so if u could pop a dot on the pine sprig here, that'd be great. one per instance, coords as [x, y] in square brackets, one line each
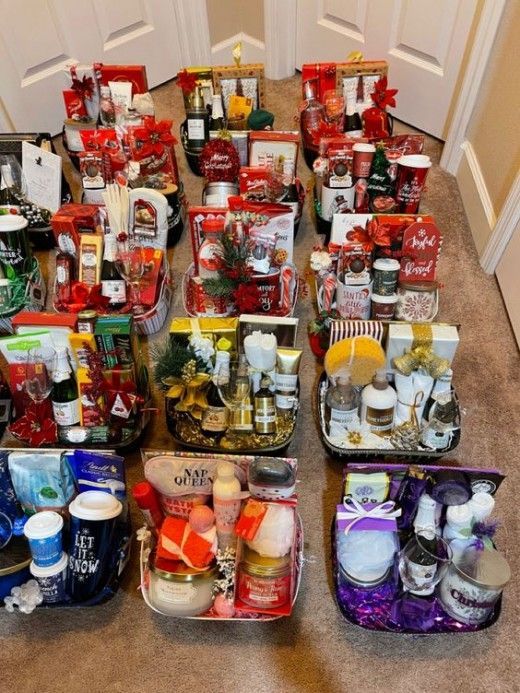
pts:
[169, 360]
[219, 287]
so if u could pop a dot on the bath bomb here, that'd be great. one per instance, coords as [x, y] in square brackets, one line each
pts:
[201, 519]
[224, 606]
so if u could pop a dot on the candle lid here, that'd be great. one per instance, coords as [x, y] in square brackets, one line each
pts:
[487, 569]
[451, 487]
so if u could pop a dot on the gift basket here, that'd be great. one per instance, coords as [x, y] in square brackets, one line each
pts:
[413, 551]
[395, 400]
[230, 385]
[349, 97]
[379, 267]
[112, 259]
[21, 286]
[238, 560]
[111, 134]
[64, 528]
[77, 381]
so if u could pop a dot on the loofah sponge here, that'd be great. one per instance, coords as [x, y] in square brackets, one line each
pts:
[361, 356]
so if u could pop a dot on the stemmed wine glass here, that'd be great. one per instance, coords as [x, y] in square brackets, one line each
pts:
[39, 373]
[233, 385]
[130, 262]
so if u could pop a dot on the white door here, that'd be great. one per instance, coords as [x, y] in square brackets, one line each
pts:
[509, 280]
[422, 40]
[39, 37]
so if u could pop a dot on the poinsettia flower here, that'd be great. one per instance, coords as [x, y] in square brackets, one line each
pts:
[154, 137]
[247, 298]
[35, 428]
[381, 96]
[84, 87]
[187, 81]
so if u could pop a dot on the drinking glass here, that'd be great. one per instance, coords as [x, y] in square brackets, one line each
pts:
[423, 563]
[39, 372]
[130, 262]
[233, 385]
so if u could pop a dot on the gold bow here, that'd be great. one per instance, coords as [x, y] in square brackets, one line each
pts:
[191, 394]
[355, 57]
[421, 356]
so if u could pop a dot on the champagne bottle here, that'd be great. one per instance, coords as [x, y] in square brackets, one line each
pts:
[242, 418]
[113, 286]
[215, 418]
[64, 393]
[421, 564]
[265, 408]
[217, 114]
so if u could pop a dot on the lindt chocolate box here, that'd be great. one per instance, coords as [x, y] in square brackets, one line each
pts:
[136, 74]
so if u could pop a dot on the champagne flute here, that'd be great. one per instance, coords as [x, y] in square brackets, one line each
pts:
[130, 261]
[233, 385]
[39, 373]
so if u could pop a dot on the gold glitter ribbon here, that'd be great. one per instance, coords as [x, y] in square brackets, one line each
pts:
[191, 395]
[355, 57]
[421, 354]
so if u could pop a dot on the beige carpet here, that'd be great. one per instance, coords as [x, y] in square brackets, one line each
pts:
[123, 646]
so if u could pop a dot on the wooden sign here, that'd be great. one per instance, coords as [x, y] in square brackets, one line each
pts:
[420, 251]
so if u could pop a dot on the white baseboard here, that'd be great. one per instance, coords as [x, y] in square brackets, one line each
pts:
[475, 197]
[253, 50]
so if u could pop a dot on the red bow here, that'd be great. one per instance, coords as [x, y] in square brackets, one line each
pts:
[153, 137]
[83, 296]
[126, 391]
[83, 87]
[381, 96]
[36, 427]
[380, 234]
[187, 81]
[324, 130]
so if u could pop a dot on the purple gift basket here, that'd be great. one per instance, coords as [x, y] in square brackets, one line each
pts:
[386, 606]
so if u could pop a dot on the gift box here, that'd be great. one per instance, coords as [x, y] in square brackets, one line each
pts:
[284, 329]
[136, 74]
[442, 339]
[212, 328]
[150, 283]
[324, 73]
[70, 221]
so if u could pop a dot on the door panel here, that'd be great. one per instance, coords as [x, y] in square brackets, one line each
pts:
[34, 62]
[422, 41]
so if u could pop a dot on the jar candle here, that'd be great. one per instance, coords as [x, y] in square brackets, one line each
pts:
[473, 585]
[264, 583]
[383, 307]
[416, 301]
[215, 194]
[177, 590]
[386, 272]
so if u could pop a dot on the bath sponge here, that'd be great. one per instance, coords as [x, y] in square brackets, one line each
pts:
[361, 356]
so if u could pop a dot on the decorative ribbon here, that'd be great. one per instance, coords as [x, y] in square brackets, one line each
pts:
[83, 296]
[127, 391]
[191, 394]
[83, 87]
[329, 289]
[421, 354]
[286, 278]
[356, 512]
[380, 234]
[355, 57]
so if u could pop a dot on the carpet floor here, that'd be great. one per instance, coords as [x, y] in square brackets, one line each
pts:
[123, 646]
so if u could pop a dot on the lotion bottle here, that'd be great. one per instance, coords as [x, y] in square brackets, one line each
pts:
[378, 402]
[226, 504]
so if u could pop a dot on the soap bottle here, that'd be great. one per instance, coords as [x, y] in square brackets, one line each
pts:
[378, 402]
[226, 504]
[341, 403]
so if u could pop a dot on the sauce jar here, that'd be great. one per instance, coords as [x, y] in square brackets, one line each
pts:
[87, 321]
[417, 301]
[264, 583]
[176, 589]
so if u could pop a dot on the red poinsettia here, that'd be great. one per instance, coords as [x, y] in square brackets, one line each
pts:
[187, 81]
[382, 96]
[83, 87]
[35, 427]
[154, 137]
[247, 298]
[325, 130]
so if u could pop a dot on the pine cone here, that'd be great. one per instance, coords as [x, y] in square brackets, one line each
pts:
[406, 436]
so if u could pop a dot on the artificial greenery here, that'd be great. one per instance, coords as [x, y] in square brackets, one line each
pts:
[219, 287]
[237, 270]
[170, 358]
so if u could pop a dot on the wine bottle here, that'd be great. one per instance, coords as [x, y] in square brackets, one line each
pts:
[64, 393]
[312, 115]
[265, 408]
[6, 405]
[215, 418]
[197, 122]
[113, 285]
[421, 564]
[216, 122]
[242, 417]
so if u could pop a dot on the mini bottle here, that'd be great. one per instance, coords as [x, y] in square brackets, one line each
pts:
[215, 418]
[64, 393]
[265, 408]
[107, 111]
[428, 512]
[441, 385]
[65, 275]
[226, 504]
[353, 120]
[216, 122]
[378, 402]
[241, 419]
[341, 403]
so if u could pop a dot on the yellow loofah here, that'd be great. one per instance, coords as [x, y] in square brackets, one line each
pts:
[362, 356]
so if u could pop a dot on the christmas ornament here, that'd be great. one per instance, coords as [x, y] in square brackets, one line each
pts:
[219, 161]
[379, 181]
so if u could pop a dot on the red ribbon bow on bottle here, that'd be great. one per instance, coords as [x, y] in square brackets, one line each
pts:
[83, 296]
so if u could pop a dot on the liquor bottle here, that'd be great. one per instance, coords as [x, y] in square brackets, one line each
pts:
[441, 385]
[438, 434]
[113, 286]
[215, 419]
[421, 565]
[241, 419]
[65, 275]
[216, 122]
[6, 405]
[265, 408]
[311, 116]
[197, 122]
[341, 403]
[353, 121]
[64, 393]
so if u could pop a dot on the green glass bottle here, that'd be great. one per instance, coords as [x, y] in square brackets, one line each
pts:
[64, 393]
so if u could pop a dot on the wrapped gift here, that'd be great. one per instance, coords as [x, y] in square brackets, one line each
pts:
[404, 339]
[135, 74]
[213, 328]
[70, 221]
[324, 73]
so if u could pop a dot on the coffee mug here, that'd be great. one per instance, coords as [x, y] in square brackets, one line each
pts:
[353, 301]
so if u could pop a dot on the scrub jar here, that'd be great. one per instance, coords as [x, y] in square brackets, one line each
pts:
[417, 301]
[43, 530]
[52, 580]
[264, 583]
[176, 589]
[386, 272]
[382, 307]
[473, 585]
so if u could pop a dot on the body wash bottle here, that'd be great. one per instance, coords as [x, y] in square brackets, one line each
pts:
[226, 504]
[378, 402]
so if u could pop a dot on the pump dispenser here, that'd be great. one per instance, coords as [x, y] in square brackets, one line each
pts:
[378, 402]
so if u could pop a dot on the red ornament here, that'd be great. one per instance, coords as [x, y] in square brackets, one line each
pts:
[219, 161]
[153, 137]
[383, 97]
[187, 81]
